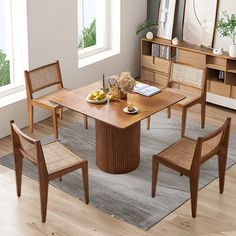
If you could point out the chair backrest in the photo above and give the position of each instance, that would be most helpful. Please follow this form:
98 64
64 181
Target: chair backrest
212 143
27 147
43 77
184 75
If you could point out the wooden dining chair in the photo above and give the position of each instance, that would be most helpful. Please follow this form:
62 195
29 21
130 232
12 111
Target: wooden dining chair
191 82
42 78
187 155
53 161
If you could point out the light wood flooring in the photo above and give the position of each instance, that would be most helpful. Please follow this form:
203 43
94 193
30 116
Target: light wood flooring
69 216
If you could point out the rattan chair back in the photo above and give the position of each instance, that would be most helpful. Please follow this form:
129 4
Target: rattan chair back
43 77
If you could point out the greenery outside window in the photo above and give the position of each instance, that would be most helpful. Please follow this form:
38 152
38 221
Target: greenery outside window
6 62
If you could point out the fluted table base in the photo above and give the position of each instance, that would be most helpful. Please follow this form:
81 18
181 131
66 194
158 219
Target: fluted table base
117 150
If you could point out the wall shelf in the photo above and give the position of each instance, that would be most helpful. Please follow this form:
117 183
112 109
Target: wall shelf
220 70
215 67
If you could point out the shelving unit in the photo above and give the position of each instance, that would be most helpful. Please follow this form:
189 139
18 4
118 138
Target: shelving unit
220 70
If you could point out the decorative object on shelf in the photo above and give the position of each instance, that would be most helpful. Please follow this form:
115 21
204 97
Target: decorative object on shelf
199 21
149 35
227 28
147 26
175 41
121 85
218 51
166 19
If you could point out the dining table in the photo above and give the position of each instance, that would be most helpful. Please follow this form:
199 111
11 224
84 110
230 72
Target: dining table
117 132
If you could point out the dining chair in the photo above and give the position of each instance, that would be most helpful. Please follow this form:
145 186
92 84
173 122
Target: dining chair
191 82
187 155
39 79
53 161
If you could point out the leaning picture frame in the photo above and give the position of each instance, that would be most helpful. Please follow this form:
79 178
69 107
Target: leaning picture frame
200 21
224 42
166 19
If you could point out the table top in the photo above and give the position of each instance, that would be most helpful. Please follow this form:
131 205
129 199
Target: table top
112 113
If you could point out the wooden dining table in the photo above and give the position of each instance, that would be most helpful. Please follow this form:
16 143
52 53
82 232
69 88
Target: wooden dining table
117 133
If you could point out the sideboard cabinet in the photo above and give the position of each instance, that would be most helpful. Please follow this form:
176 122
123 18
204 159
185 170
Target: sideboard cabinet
156 56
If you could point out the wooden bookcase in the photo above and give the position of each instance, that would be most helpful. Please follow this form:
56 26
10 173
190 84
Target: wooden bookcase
221 70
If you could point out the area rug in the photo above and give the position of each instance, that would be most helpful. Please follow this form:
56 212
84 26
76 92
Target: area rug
128 196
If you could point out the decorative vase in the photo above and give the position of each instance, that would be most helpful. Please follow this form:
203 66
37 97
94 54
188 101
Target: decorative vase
149 35
232 50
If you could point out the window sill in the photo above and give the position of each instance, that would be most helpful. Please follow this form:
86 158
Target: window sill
96 58
12 98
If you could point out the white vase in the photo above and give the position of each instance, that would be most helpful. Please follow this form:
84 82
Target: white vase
149 35
232 50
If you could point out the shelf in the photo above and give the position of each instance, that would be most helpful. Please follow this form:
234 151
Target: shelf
215 67
215 80
222 66
232 71
219 88
213 75
231 78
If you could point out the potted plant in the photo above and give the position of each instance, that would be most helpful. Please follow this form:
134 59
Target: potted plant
147 26
227 28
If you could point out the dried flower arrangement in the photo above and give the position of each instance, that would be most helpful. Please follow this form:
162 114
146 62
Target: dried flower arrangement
126 82
123 84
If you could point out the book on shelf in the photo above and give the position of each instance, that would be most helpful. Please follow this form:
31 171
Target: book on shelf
165 52
161 51
146 90
155 50
221 75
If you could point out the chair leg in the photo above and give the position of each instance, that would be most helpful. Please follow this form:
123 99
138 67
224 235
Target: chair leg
169 112
148 123
222 157
184 118
155 166
85 181
31 117
203 114
18 171
60 178
85 122
43 184
61 113
55 125
194 192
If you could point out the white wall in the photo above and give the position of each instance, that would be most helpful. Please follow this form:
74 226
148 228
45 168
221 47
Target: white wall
52 34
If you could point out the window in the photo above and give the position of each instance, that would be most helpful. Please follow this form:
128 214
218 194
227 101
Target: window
92 25
6 62
97 20
13 46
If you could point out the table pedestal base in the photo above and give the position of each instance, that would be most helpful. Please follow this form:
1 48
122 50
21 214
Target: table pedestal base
117 150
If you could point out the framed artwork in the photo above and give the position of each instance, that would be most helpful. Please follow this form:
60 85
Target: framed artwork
224 42
166 19
199 21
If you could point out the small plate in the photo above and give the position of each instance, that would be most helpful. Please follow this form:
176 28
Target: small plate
130 112
96 101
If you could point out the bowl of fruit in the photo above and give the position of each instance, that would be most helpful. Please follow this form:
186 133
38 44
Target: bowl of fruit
97 97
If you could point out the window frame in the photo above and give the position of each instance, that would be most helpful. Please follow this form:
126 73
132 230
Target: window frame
19 52
102 30
111 38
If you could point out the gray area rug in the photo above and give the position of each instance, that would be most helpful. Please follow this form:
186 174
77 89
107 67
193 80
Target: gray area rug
128 196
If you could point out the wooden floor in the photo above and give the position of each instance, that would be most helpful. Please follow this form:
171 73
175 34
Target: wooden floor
70 216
